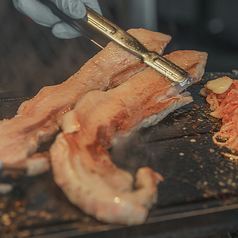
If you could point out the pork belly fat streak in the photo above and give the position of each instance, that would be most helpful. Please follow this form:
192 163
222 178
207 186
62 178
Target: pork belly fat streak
91 181
36 119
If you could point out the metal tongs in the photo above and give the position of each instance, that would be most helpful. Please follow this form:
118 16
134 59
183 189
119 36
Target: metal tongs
100 31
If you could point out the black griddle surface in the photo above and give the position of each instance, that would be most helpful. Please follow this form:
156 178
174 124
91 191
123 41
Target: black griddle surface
198 197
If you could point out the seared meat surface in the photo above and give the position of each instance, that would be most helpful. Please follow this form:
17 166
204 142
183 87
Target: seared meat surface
113 93
36 119
91 181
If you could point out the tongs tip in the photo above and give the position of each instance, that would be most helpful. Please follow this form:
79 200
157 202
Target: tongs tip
186 81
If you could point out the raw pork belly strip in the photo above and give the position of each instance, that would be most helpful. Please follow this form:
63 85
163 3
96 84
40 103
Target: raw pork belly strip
90 180
36 119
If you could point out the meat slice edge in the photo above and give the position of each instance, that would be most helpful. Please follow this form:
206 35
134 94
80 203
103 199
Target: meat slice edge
36 119
91 181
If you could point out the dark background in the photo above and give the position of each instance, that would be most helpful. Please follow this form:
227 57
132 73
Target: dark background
31 57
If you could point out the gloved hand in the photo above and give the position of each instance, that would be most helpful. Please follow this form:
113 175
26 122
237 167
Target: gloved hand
42 15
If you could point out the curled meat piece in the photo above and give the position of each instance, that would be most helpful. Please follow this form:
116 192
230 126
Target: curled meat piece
81 163
94 184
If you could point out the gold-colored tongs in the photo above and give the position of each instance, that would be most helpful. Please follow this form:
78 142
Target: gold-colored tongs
100 31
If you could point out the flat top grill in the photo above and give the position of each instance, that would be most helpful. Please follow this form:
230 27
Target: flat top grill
198 197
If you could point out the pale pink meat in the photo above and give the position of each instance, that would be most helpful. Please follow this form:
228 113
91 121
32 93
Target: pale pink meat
36 119
90 180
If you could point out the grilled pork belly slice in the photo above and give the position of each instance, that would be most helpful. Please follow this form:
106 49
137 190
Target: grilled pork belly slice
98 187
81 163
36 119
